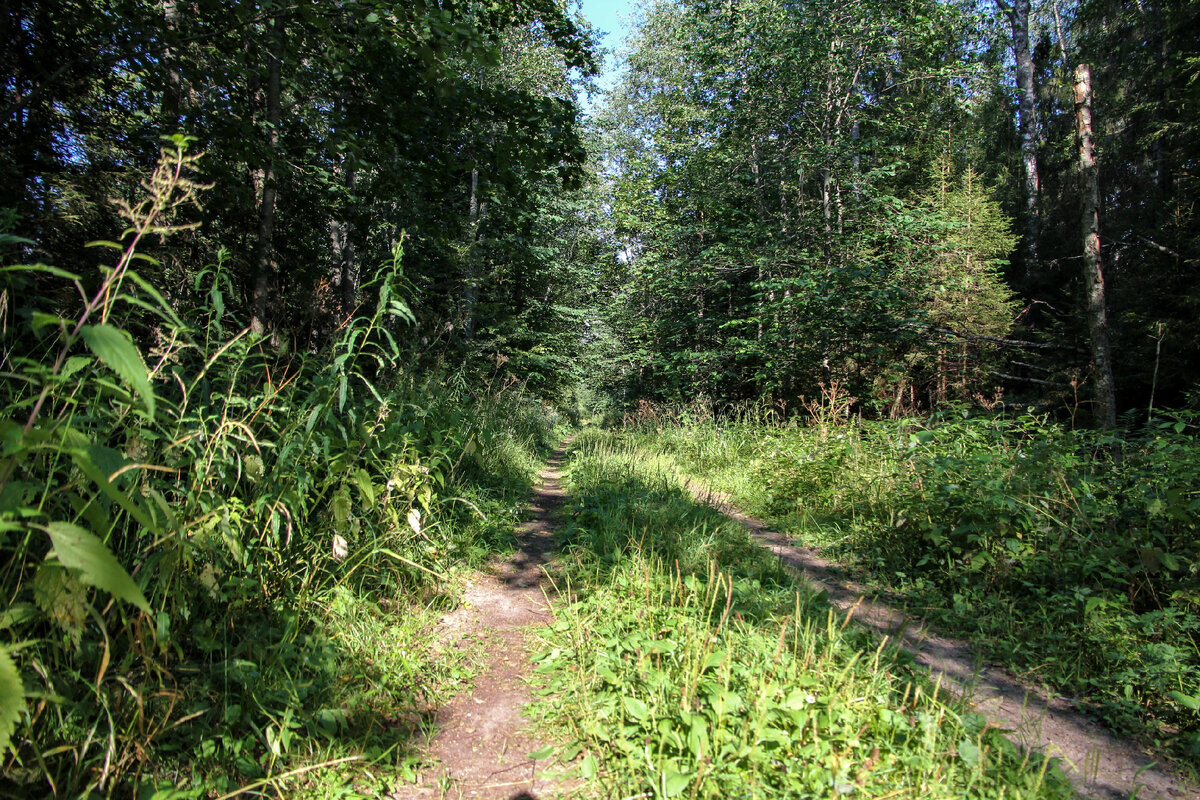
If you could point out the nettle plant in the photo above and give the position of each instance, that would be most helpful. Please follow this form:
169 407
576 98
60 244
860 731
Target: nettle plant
77 398
154 510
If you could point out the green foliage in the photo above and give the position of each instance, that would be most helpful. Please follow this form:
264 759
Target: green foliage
77 549
330 129
12 698
258 518
955 243
1072 566
772 195
113 348
968 242
688 665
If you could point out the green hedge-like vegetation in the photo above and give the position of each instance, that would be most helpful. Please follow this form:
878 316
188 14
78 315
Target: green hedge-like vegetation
221 561
1070 555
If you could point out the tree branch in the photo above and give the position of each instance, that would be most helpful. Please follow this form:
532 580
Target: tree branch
976 337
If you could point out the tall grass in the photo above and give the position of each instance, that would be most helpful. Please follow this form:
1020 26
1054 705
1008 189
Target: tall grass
1071 565
220 563
689 665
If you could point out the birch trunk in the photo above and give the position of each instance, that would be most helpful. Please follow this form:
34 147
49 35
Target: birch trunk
265 265
470 279
341 244
1018 15
1093 275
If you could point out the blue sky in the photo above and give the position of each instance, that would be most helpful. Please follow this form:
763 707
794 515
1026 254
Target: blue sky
610 16
606 15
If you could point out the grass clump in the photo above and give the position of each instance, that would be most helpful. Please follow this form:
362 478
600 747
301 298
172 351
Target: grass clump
688 665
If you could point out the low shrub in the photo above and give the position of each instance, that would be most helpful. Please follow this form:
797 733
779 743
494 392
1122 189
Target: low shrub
1072 556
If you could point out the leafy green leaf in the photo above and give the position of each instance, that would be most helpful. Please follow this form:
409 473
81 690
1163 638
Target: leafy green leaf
17 614
1187 701
674 781
341 507
55 271
73 365
698 740
113 348
366 489
968 751
82 551
162 308
41 320
84 460
636 708
12 698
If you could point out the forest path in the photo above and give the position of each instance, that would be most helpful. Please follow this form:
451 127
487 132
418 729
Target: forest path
482 744
1099 765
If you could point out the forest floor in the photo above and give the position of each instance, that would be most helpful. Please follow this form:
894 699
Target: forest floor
1099 765
482 745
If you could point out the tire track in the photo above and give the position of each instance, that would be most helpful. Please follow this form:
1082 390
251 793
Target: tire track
1097 763
482 743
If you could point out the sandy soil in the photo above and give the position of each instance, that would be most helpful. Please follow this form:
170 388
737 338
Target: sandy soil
1099 765
482 744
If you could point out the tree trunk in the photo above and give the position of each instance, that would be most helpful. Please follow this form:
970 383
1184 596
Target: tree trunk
1097 313
1018 15
265 265
173 92
756 171
471 278
827 204
341 241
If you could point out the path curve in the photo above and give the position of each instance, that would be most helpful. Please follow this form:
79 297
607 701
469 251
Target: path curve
482 744
1099 765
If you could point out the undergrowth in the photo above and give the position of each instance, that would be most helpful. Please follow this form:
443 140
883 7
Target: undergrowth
1071 556
220 562
687 664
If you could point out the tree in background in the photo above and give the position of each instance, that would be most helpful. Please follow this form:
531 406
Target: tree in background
766 162
327 129
961 243
771 166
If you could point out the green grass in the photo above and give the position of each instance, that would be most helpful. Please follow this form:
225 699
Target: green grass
286 670
688 664
1075 569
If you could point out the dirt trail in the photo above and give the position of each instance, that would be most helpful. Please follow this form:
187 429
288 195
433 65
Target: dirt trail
1099 765
482 745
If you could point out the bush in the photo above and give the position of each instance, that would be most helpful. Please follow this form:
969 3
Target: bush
187 537
1068 554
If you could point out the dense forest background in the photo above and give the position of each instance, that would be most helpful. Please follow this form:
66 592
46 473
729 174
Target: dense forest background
888 196
330 132
777 194
286 283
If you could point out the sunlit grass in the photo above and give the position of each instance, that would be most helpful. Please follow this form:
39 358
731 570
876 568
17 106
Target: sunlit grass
1071 567
690 665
